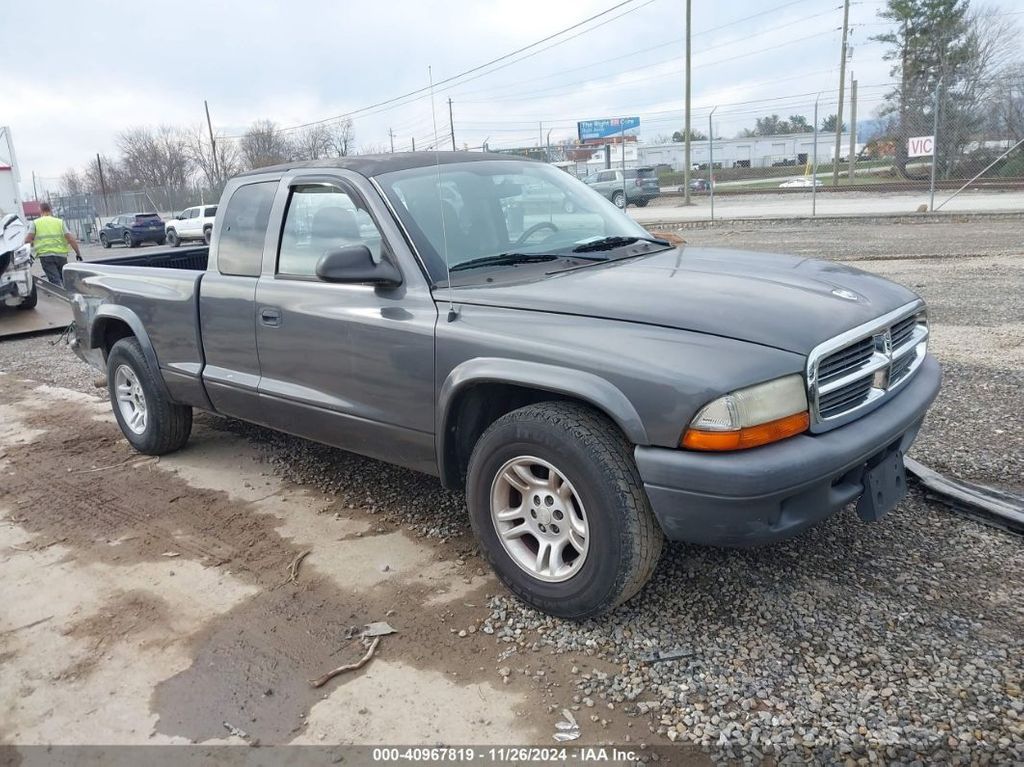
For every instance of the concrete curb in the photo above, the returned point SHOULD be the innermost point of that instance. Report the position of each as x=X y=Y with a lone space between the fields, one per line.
x=851 y=218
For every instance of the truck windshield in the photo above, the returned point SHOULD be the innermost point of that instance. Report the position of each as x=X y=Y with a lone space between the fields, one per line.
x=477 y=210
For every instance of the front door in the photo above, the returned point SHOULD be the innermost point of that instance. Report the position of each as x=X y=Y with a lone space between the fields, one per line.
x=348 y=365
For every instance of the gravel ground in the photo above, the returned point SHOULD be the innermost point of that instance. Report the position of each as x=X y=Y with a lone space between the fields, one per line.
x=900 y=641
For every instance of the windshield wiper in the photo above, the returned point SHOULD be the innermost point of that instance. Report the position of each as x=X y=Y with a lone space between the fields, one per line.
x=615 y=241
x=504 y=259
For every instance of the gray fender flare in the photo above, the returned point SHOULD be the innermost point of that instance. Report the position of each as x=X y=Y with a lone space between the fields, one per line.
x=590 y=388
x=131 y=319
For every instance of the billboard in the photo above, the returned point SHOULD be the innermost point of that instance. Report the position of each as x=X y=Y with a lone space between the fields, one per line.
x=590 y=130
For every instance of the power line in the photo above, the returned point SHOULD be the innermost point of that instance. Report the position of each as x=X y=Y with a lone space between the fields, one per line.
x=666 y=44
x=420 y=91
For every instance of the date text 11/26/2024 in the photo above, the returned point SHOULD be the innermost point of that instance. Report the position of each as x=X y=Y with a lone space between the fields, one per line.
x=503 y=754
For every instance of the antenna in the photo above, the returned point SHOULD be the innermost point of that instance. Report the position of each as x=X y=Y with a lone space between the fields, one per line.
x=452 y=314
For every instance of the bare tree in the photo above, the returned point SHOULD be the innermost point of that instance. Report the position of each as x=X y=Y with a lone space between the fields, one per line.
x=312 y=143
x=342 y=138
x=156 y=158
x=264 y=144
x=1008 y=98
x=71 y=182
x=216 y=162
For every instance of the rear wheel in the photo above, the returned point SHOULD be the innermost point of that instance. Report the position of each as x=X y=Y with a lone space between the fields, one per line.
x=161 y=241
x=152 y=424
x=560 y=511
x=207 y=234
x=172 y=238
x=619 y=199
x=642 y=203
x=32 y=300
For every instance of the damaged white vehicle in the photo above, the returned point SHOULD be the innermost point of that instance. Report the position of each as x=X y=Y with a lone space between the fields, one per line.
x=17 y=284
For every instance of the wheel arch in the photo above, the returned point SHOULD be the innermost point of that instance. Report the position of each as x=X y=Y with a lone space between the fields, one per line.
x=478 y=392
x=111 y=324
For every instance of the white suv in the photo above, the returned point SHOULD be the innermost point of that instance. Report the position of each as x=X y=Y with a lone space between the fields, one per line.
x=194 y=223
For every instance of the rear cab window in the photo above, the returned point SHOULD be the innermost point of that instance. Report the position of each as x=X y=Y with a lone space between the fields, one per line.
x=243 y=229
x=210 y=212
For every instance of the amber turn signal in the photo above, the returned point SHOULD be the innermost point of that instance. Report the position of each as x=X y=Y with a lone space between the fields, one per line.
x=748 y=436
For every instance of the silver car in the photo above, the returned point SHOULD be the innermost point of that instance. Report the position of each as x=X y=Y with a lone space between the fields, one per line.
x=639 y=187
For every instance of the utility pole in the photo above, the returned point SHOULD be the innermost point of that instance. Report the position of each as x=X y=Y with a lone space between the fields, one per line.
x=451 y=123
x=35 y=193
x=686 y=135
x=103 y=184
x=853 y=127
x=935 y=144
x=414 y=143
x=391 y=135
x=814 y=163
x=711 y=162
x=213 y=141
x=842 y=89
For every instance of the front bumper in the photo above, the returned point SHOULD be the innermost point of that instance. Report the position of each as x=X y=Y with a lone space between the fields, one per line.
x=773 y=492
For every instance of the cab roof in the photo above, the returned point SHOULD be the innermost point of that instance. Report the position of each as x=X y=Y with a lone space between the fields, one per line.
x=370 y=165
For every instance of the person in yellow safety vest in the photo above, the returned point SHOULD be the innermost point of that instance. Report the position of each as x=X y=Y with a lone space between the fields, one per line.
x=50 y=238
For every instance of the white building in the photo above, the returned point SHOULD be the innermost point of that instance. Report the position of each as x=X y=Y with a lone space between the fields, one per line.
x=753 y=152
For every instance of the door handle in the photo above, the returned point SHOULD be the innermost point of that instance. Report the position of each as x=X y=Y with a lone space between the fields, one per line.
x=270 y=316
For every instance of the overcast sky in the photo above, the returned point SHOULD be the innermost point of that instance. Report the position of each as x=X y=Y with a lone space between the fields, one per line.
x=77 y=74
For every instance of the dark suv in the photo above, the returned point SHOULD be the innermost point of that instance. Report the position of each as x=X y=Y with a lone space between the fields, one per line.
x=132 y=229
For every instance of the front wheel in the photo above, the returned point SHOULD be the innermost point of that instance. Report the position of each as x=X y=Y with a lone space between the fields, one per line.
x=619 y=199
x=207 y=235
x=557 y=503
x=128 y=241
x=173 y=239
x=104 y=241
x=152 y=424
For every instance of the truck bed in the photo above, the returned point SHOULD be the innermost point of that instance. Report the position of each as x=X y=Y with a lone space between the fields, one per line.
x=176 y=258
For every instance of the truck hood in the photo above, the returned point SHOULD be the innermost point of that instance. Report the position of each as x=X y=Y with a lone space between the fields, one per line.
x=780 y=301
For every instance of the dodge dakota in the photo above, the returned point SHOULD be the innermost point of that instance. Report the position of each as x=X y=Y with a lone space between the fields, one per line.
x=493 y=321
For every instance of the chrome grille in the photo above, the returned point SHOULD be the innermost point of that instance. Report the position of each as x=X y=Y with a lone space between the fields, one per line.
x=845 y=360
x=851 y=374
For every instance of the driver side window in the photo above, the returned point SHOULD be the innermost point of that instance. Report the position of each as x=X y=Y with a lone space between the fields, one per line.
x=321 y=218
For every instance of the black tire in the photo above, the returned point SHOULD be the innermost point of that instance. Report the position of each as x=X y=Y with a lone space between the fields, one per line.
x=168 y=424
x=624 y=539
x=128 y=241
x=619 y=200
x=642 y=203
x=207 y=234
x=172 y=238
x=161 y=241
x=103 y=241
x=32 y=300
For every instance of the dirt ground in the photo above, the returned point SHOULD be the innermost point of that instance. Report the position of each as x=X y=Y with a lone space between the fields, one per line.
x=151 y=600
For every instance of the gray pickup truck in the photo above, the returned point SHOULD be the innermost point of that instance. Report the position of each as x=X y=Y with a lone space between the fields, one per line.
x=495 y=322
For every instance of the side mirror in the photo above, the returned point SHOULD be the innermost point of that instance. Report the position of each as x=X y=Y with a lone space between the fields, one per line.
x=354 y=264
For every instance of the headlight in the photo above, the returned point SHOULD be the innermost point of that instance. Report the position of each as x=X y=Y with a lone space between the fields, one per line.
x=750 y=417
